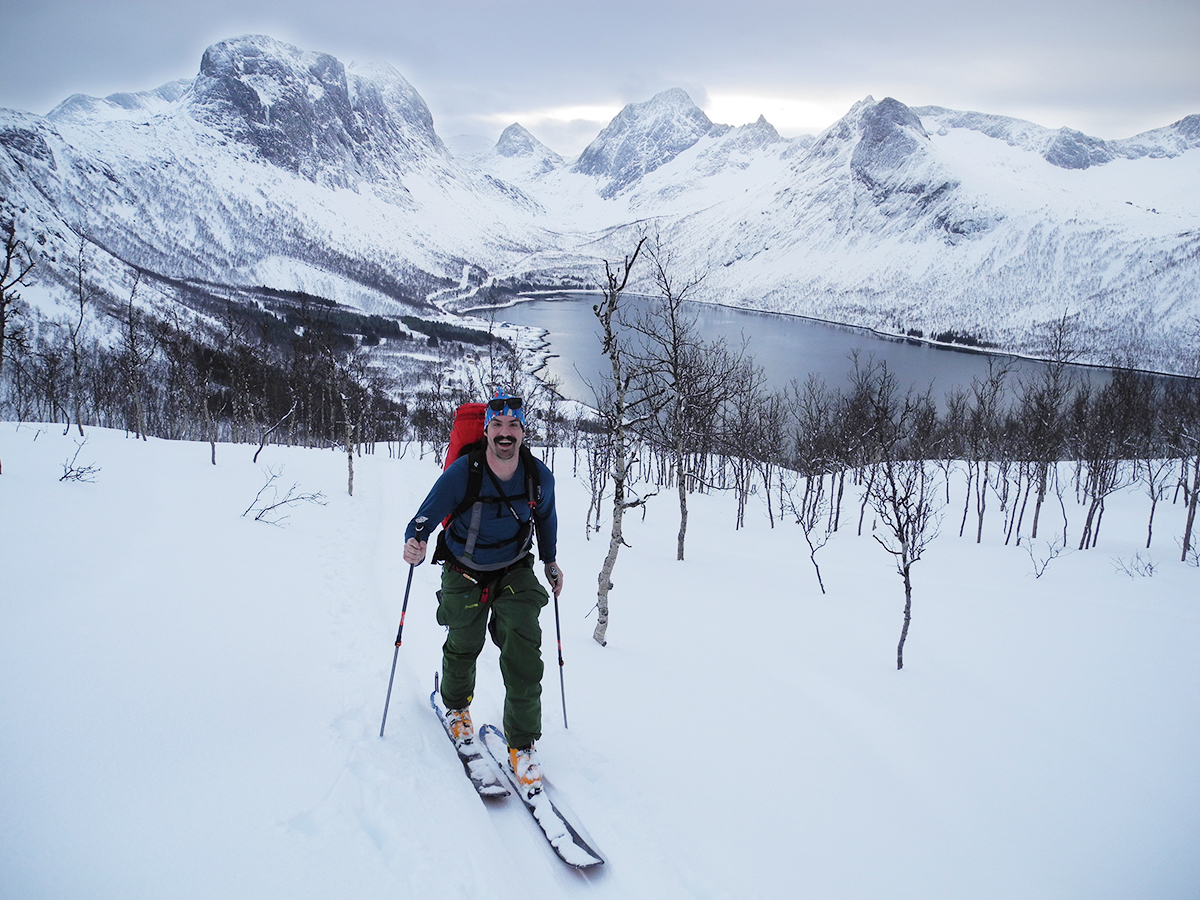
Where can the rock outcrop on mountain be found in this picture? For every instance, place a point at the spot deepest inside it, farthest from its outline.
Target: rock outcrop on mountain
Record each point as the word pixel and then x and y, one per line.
pixel 305 113
pixel 643 137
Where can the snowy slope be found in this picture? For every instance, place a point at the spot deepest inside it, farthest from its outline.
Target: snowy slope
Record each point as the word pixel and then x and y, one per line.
pixel 893 224
pixel 192 701
pixel 282 168
pixel 277 168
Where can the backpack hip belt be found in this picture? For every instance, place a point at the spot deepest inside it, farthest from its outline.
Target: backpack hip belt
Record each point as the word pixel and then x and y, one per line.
pixel 486 579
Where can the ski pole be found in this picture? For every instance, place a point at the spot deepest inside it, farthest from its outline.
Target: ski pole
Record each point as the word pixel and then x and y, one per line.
pixel 562 690
pixel 396 654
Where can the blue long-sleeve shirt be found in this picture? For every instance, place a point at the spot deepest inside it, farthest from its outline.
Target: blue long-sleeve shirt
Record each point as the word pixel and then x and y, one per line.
pixel 498 530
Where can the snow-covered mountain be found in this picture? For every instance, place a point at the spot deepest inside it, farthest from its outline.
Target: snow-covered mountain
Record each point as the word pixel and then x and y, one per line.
pixel 927 218
pixel 519 156
pixel 643 137
pixel 282 169
pixel 274 168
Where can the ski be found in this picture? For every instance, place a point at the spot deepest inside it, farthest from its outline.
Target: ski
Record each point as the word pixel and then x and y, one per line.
pixel 477 766
pixel 564 838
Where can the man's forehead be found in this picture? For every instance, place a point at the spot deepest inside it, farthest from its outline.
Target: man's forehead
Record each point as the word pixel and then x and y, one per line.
pixel 504 420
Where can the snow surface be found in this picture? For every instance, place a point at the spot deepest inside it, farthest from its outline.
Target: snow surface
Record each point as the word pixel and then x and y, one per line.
pixel 191 700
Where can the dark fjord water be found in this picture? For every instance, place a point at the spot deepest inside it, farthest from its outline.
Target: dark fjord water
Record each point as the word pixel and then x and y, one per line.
pixel 786 347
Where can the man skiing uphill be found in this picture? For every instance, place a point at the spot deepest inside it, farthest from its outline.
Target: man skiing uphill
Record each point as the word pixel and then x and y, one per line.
pixel 496 497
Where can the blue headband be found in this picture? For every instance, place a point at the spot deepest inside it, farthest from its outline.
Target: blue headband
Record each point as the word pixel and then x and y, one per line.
pixel 504 404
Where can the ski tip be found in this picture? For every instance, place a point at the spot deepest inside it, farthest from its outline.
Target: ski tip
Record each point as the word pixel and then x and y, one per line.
pixel 578 858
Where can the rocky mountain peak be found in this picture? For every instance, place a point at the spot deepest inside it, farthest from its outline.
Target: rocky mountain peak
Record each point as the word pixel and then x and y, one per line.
pixel 642 137
pixel 758 133
pixel 516 141
pixel 1071 149
pixel 303 112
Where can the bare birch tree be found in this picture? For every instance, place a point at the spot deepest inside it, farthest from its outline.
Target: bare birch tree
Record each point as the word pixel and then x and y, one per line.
pixel 687 379
pixel 616 403
pixel 903 489
pixel 136 352
pixel 75 334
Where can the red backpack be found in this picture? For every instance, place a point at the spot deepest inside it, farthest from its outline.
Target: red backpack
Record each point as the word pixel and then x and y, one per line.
pixel 468 428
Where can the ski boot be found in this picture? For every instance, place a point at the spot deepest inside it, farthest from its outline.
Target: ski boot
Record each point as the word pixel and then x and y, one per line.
pixel 462 732
pixel 528 770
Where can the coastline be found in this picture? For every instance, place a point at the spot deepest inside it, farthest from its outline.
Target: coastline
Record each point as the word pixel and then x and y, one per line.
pixel 847 326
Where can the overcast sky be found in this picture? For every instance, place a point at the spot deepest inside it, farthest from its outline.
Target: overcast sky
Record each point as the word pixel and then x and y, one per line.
pixel 563 69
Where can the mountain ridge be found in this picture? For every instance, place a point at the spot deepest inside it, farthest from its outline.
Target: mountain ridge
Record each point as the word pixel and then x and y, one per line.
pixel 283 169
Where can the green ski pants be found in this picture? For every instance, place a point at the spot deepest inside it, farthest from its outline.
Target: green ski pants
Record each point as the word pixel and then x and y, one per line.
pixel 510 615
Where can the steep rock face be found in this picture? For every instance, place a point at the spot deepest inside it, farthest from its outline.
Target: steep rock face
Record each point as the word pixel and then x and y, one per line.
pixel 643 137
pixel 302 112
pixel 1188 128
pixel 21 134
pixel 874 172
pixel 390 112
pixel 1072 149
pixel 890 148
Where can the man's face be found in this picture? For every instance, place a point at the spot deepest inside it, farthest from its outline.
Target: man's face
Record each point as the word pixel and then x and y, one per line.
pixel 504 434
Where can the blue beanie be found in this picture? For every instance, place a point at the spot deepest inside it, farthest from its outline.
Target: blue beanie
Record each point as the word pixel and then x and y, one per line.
pixel 504 404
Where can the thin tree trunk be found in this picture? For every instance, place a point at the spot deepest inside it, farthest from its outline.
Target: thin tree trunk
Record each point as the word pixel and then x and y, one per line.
pixel 981 486
pixel 907 618
pixel 837 506
pixel 616 538
pixel 681 484
pixel 962 526
pixel 1021 517
pixel 1043 478
pixel 1085 541
pixel 1191 516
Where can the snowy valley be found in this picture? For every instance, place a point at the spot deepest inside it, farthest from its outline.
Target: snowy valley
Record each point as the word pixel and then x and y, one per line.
pixel 281 171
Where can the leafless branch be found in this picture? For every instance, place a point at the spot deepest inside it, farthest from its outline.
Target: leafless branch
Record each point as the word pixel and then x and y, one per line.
pixel 74 472
pixel 268 504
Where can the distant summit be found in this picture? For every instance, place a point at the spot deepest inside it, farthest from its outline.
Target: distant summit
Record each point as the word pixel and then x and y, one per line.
pixel 120 106
pixel 517 141
pixel 643 137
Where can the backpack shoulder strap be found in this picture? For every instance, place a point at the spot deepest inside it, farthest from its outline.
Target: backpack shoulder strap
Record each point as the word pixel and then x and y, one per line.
pixel 476 467
pixel 533 478
pixel 475 463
